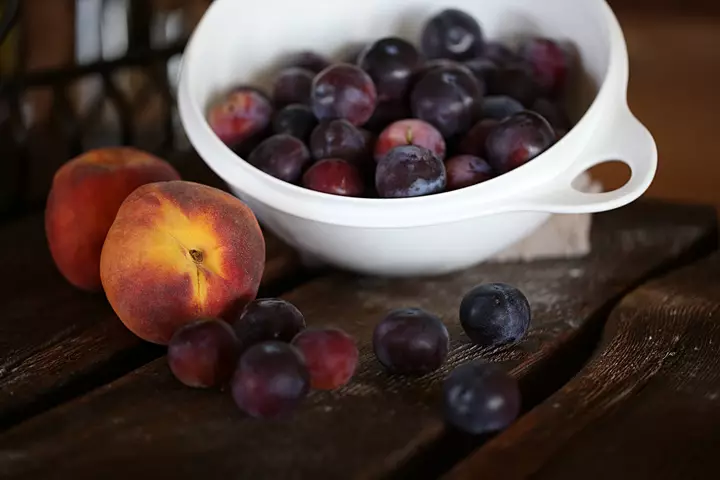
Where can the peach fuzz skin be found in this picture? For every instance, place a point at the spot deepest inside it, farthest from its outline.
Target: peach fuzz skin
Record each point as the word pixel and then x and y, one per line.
pixel 86 194
pixel 179 251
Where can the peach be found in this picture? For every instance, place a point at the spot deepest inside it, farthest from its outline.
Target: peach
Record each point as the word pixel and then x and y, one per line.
pixel 86 194
pixel 179 251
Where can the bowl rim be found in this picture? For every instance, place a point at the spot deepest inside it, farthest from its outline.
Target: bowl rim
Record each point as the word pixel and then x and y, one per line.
pixel 302 202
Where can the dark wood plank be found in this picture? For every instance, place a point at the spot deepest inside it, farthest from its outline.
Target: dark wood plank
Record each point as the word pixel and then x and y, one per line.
pixel 646 406
pixel 148 424
pixel 58 342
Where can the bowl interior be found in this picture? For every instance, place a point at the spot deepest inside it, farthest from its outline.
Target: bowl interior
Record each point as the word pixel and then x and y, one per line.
pixel 246 42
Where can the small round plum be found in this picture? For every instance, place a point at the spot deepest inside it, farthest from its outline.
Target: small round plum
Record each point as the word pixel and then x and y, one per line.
pixel 296 120
pixel 411 341
pixel 293 85
pixel 334 176
pixel 390 62
pixel 452 34
pixel 203 354
pixel 266 319
pixel 410 171
pixel 466 170
pixel 271 380
pixel 344 91
pixel 339 139
pixel 495 314
pixel 282 156
pixel 239 115
pixel 449 98
pixel 410 132
pixel 330 354
pixel 517 140
pixel 480 397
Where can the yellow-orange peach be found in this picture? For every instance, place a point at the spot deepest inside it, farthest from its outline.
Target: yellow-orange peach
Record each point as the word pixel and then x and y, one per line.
pixel 179 251
pixel 85 196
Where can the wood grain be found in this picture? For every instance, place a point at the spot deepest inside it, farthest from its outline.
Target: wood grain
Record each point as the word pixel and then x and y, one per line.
pixel 148 424
pixel 57 342
pixel 646 406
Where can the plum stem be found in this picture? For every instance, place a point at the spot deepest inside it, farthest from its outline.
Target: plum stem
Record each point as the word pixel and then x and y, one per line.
pixel 196 255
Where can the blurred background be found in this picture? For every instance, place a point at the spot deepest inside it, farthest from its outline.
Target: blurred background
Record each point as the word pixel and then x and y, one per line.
pixel 75 74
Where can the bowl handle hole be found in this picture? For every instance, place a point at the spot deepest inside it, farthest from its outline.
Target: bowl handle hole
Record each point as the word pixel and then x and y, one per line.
pixel 611 175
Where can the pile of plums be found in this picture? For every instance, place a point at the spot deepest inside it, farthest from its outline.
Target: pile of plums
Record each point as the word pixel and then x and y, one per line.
pixel 271 360
pixel 394 121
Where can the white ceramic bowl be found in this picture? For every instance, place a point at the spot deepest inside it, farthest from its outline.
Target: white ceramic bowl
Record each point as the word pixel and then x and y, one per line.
pixel 243 42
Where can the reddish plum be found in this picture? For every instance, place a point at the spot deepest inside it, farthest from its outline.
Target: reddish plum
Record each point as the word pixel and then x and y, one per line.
pixel 466 170
pixel 296 120
pixel 292 85
pixel 335 176
pixel 267 319
pixel 330 354
pixel 344 91
pixel 410 171
pixel 240 115
pixel 271 380
pixel 549 63
pixel 452 34
pixel 517 140
pixel 339 139
pixel 390 62
pixel 282 156
pixel 410 132
pixel 203 354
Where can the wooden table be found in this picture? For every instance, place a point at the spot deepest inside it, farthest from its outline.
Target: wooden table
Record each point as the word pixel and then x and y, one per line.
pixel 619 373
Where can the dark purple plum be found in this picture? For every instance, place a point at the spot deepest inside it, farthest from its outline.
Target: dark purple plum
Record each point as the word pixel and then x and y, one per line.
pixel 483 69
pixel 203 354
pixel 480 397
pixel 466 170
pixel 335 176
pixel 330 354
pixel 267 319
pixel 499 107
pixel 411 341
pixel 282 156
pixel 390 62
pixel 473 143
pixel 410 171
pixel 449 99
pixel 344 91
pixel 271 380
pixel 386 113
pixel 495 314
pixel 296 120
pixel 293 85
pixel 309 60
pixel 554 114
pixel 240 115
pixel 339 139
pixel 515 81
pixel 410 132
pixel 452 34
pixel 517 140
pixel 549 63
